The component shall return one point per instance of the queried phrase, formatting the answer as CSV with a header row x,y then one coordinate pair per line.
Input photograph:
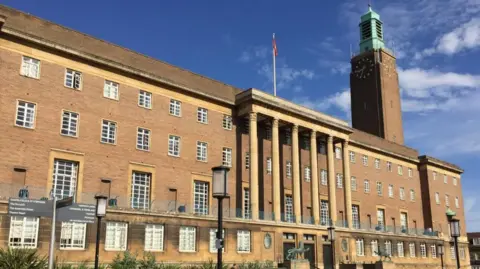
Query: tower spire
x,y
371,31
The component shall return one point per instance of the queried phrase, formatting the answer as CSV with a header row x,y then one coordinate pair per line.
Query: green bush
x,y
12,258
148,262
256,265
128,261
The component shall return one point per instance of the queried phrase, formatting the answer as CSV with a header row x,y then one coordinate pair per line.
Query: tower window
x,y
366,30
379,29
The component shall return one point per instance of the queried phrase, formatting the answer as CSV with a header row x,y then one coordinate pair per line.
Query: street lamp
x,y
220,191
455,233
331,238
440,252
101,211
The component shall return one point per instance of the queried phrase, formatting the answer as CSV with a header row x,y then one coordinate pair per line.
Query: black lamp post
x,y
455,233
440,251
101,212
331,238
220,191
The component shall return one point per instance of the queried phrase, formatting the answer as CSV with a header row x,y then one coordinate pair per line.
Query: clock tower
x,y
374,87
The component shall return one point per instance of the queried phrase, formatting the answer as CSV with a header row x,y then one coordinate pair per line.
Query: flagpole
x,y
274,70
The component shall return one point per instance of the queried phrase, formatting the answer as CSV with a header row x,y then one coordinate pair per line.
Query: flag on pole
x,y
274,44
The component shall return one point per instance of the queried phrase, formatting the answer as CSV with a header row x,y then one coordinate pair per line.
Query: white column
x,y
332,199
276,171
253,165
348,183
314,179
296,175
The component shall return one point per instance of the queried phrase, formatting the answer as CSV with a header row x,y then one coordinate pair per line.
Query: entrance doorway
x,y
310,254
327,256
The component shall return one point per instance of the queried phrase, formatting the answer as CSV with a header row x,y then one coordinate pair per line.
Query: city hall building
x,y
81,116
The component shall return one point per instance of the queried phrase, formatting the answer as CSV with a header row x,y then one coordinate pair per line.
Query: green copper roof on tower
x,y
371,31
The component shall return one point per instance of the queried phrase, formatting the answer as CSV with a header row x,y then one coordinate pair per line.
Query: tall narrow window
x,y
445,179
388,247
377,163
268,132
145,99
339,181
116,236
143,139
154,234
452,253
324,216
379,188
356,216
243,241
400,170
338,153
269,165
437,198
389,166
288,137
247,160
187,239
457,203
246,204
69,123
323,177
175,108
381,219
109,132
390,190
374,246
288,208
412,195
323,148
434,174
201,151
400,250
423,250
25,114
353,183
200,197
110,90
306,143
433,251
454,179
352,157
411,249
64,178
402,193
403,222
366,186
174,145
72,235
410,172
202,115
73,79
227,122
289,169
213,239
447,200
23,232
308,174
365,160
141,183
227,157
360,247
30,67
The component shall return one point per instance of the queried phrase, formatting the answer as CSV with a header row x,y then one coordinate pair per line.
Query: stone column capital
x,y
295,128
345,143
253,116
275,122
313,133
330,139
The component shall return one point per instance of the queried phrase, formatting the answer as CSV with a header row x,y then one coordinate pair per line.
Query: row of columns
x,y
254,187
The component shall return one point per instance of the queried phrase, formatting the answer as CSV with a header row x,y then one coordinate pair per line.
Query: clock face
x,y
363,68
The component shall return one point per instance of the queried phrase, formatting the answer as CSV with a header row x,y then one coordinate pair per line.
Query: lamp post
x,y
101,212
455,233
220,191
331,238
440,252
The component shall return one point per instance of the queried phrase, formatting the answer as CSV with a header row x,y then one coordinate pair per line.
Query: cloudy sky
x,y
436,43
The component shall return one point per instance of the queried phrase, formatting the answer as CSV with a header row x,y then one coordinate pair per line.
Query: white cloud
x,y
339,100
253,53
286,75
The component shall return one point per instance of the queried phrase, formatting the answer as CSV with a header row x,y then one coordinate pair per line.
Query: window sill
x,y
69,136
144,150
71,88
205,123
115,249
26,76
107,143
113,99
23,127
171,155
73,249
176,116
153,250
187,251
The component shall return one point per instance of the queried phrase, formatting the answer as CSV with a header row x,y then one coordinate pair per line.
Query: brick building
x,y
76,110
474,249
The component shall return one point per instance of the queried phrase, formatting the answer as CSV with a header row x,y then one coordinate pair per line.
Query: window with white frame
x,y
445,179
411,249
353,183
23,232
268,132
116,236
447,200
388,248
379,188
143,139
437,198
187,239
365,160
202,115
323,177
243,241
338,153
389,166
73,79
356,216
400,170
72,235
402,193
374,247
145,99
25,114
352,156
246,203
452,253
433,251
412,195
423,250
64,179
109,132
461,253
69,123
202,151
288,137
227,122
454,179
359,247
476,241
324,217
213,239
381,218
308,173
288,208
400,250
110,90
200,197
377,163
434,174
289,169
247,160
30,67
457,203
366,186
404,221
227,157
269,165
390,190
323,148
175,108
410,172
174,145
339,181
140,196
154,234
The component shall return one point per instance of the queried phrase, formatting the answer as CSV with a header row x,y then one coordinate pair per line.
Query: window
x,y
175,108
187,239
23,232
445,179
379,188
30,67
308,174
402,193
359,247
201,151
200,197
403,222
454,179
227,122
410,172
213,239
388,247
356,216
461,253
141,183
308,237
143,139
289,236
306,143
246,203
447,200
457,204
423,250
339,181
338,153
389,166
476,241
73,79
25,114
174,145
437,198
246,125
243,241
452,253
411,249
227,157
381,219
352,157
412,195
268,132
154,234
202,115
72,235
433,250
400,170
288,208
400,251
323,177
323,148
390,191
434,175
366,186
288,137
145,99
69,123
365,160
289,169
377,163
269,165
353,183
247,160
374,246
109,132
110,90
64,178
116,236
324,219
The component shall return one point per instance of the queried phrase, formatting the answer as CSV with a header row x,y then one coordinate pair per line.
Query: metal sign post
x,y
52,236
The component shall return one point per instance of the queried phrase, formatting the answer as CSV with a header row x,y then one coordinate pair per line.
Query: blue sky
x,y
436,42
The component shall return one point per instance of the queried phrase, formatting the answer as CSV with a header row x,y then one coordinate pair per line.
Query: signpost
x,y
29,208
79,213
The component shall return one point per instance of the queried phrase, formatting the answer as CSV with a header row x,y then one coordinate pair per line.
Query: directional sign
x,y
65,202
30,208
80,213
